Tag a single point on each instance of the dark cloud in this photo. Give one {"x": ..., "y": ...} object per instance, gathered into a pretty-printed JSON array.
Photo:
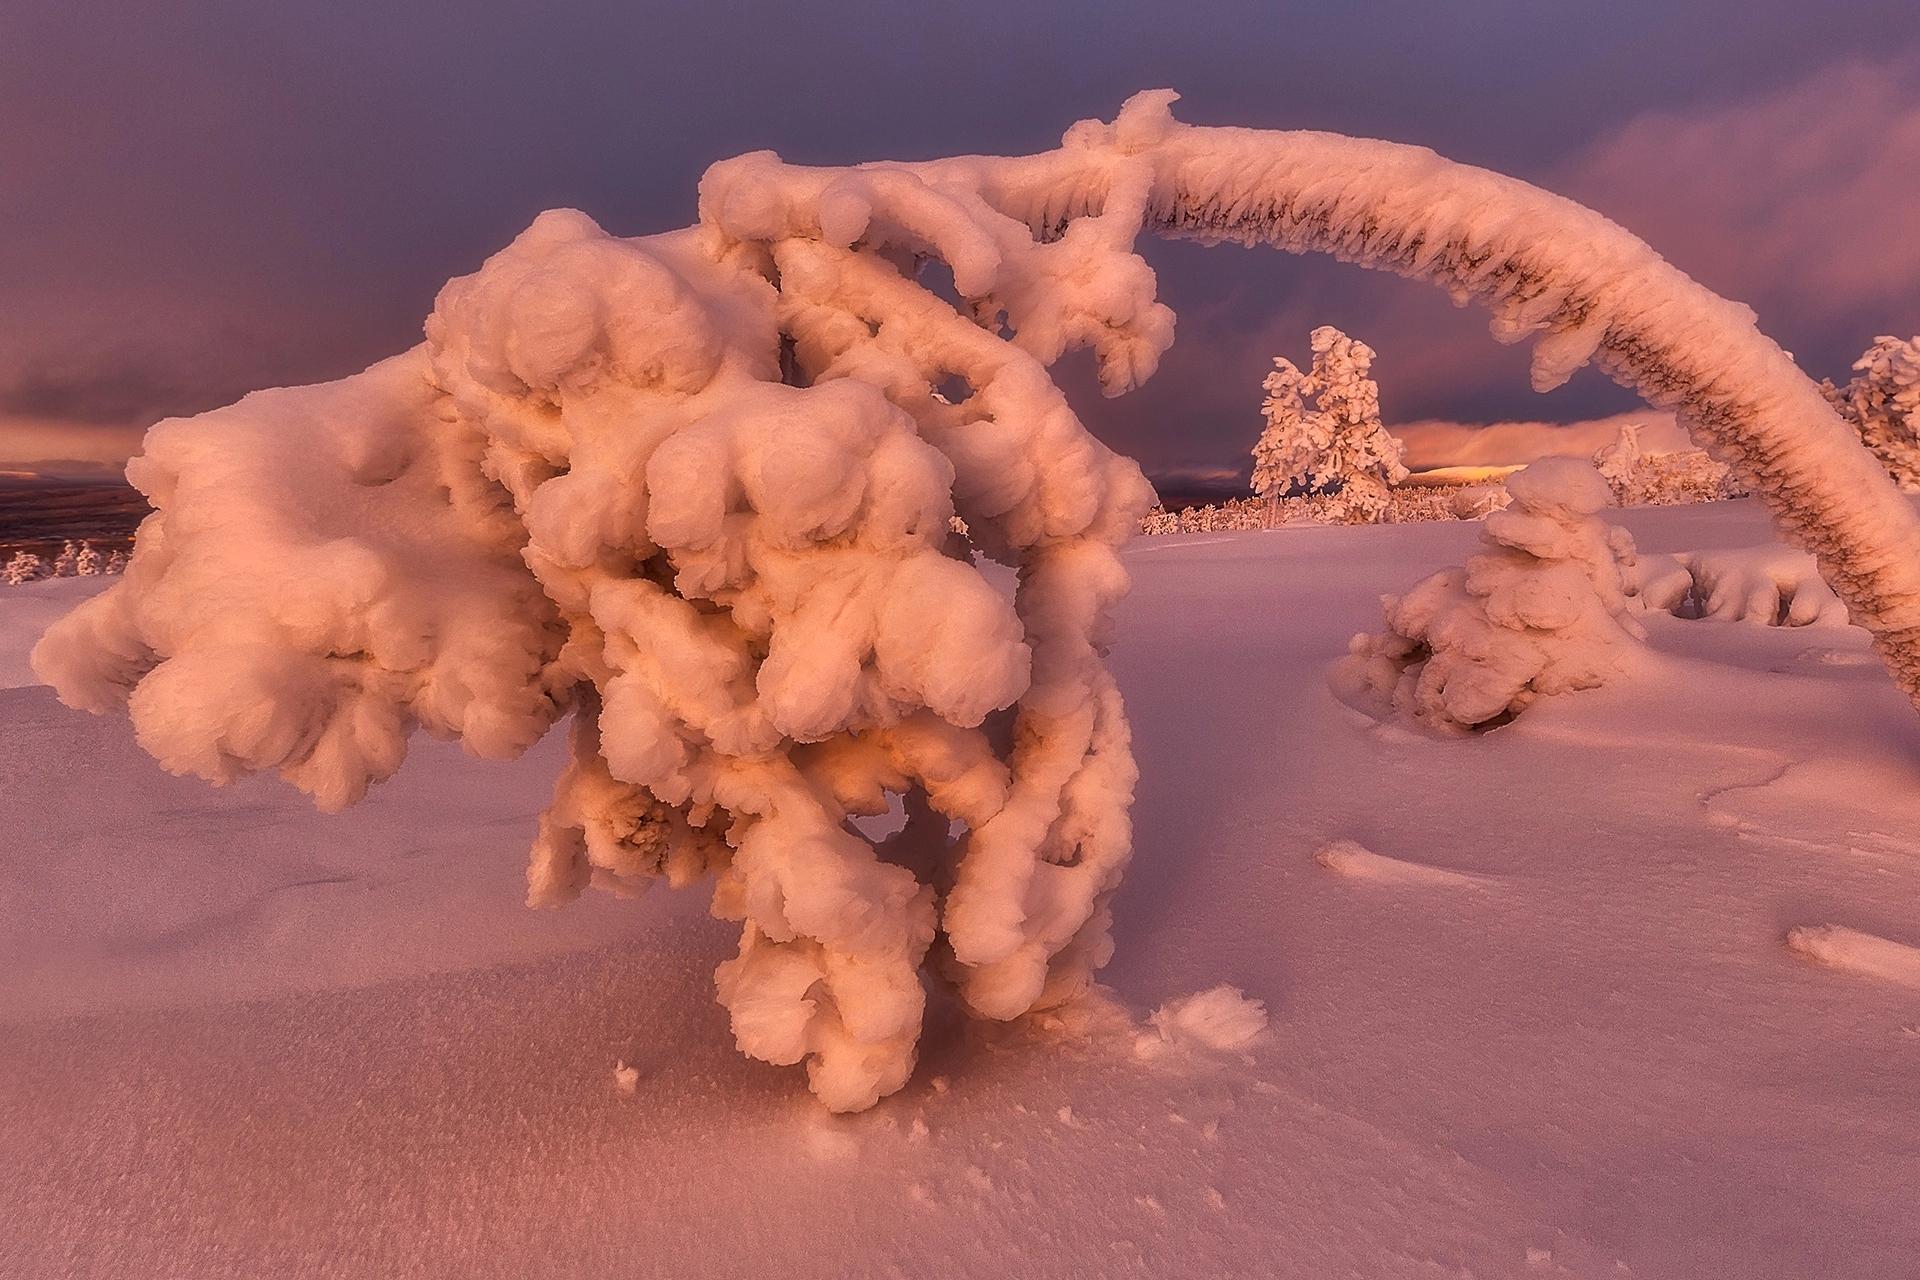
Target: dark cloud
[{"x": 208, "y": 195}]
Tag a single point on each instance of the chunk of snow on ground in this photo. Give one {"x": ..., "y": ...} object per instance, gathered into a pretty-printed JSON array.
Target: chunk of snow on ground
[
  {"x": 625, "y": 1078},
  {"x": 1863, "y": 953},
  {"x": 1348, "y": 858},
  {"x": 1222, "y": 1018}
]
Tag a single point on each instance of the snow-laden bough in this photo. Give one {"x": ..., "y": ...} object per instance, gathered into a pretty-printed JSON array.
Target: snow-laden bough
[{"x": 697, "y": 490}]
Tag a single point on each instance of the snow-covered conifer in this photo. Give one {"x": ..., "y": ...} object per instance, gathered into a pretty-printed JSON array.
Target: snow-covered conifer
[
  {"x": 67, "y": 563},
  {"x": 1619, "y": 464},
  {"x": 1883, "y": 403},
  {"x": 1542, "y": 610},
  {"x": 117, "y": 562},
  {"x": 88, "y": 563},
  {"x": 1334, "y": 444},
  {"x": 22, "y": 567}
]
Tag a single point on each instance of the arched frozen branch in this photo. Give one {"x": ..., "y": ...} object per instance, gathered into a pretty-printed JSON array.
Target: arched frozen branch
[{"x": 696, "y": 490}]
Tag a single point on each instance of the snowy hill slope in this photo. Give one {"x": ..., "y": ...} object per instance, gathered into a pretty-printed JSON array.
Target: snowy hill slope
[{"x": 1544, "y": 1020}]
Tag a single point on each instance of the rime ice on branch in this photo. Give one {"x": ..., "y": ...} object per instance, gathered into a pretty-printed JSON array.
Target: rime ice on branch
[{"x": 695, "y": 489}]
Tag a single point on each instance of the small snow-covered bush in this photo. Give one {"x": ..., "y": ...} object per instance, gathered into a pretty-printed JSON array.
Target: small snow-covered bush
[
  {"x": 1542, "y": 610},
  {"x": 67, "y": 563},
  {"x": 88, "y": 563},
  {"x": 23, "y": 567},
  {"x": 1770, "y": 585}
]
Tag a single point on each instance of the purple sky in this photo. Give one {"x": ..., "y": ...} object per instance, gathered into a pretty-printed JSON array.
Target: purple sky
[{"x": 198, "y": 198}]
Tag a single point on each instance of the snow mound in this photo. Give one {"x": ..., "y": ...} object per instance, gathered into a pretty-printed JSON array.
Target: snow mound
[
  {"x": 1862, "y": 953},
  {"x": 1355, "y": 861},
  {"x": 1767, "y": 585},
  {"x": 1222, "y": 1019}
]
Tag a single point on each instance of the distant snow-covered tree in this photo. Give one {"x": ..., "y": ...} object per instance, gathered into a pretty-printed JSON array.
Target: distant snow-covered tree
[
  {"x": 1542, "y": 610},
  {"x": 88, "y": 563},
  {"x": 1323, "y": 432},
  {"x": 67, "y": 563},
  {"x": 23, "y": 567},
  {"x": 117, "y": 562},
  {"x": 1619, "y": 463},
  {"x": 1883, "y": 403}
]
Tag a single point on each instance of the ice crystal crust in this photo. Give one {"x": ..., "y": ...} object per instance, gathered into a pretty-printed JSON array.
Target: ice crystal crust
[{"x": 696, "y": 490}]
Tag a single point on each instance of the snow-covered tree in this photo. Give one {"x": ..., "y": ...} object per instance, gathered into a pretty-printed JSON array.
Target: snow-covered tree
[
  {"x": 22, "y": 567},
  {"x": 695, "y": 489},
  {"x": 1542, "y": 610},
  {"x": 88, "y": 563},
  {"x": 1619, "y": 464},
  {"x": 1883, "y": 403},
  {"x": 117, "y": 562},
  {"x": 1686, "y": 475},
  {"x": 1323, "y": 431},
  {"x": 66, "y": 564}
]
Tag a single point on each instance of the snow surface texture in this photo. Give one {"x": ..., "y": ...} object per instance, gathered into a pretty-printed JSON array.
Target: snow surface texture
[
  {"x": 696, "y": 489},
  {"x": 1542, "y": 610},
  {"x": 245, "y": 1040}
]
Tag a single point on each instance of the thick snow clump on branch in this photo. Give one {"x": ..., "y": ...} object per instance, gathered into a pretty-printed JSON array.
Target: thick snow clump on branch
[
  {"x": 696, "y": 490},
  {"x": 1542, "y": 610}
]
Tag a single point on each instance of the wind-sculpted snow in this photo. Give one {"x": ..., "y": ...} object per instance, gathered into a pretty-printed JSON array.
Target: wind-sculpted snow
[
  {"x": 697, "y": 490},
  {"x": 1768, "y": 585}
]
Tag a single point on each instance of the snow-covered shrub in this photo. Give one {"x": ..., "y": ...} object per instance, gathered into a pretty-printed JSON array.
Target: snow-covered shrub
[
  {"x": 1542, "y": 610},
  {"x": 1405, "y": 504},
  {"x": 67, "y": 563},
  {"x": 698, "y": 491},
  {"x": 1684, "y": 476},
  {"x": 695, "y": 490},
  {"x": 23, "y": 567},
  {"x": 88, "y": 563},
  {"x": 1883, "y": 403},
  {"x": 1770, "y": 585},
  {"x": 1638, "y": 478},
  {"x": 1334, "y": 445},
  {"x": 1619, "y": 464},
  {"x": 116, "y": 562}
]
